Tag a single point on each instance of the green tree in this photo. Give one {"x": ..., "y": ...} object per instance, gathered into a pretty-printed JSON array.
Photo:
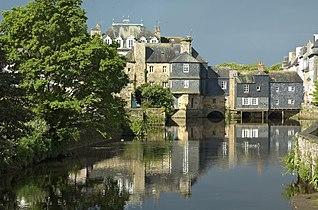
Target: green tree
[
  {"x": 154, "y": 96},
  {"x": 275, "y": 67},
  {"x": 71, "y": 80},
  {"x": 12, "y": 108}
]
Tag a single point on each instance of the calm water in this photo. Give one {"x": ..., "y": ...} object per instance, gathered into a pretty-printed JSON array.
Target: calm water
[{"x": 198, "y": 165}]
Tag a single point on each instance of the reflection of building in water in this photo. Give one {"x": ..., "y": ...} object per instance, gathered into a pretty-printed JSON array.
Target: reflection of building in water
[
  {"x": 147, "y": 169},
  {"x": 259, "y": 142}
]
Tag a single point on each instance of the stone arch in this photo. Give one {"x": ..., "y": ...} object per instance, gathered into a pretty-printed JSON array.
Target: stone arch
[{"x": 215, "y": 116}]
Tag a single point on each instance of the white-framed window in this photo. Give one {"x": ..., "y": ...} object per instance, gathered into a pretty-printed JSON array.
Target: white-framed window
[
  {"x": 250, "y": 133},
  {"x": 291, "y": 101},
  {"x": 151, "y": 83},
  {"x": 277, "y": 102},
  {"x": 150, "y": 69},
  {"x": 164, "y": 69},
  {"x": 186, "y": 67},
  {"x": 164, "y": 84},
  {"x": 254, "y": 101},
  {"x": 224, "y": 85},
  {"x": 277, "y": 89},
  {"x": 154, "y": 40},
  {"x": 245, "y": 101},
  {"x": 258, "y": 88},
  {"x": 143, "y": 39},
  {"x": 119, "y": 40},
  {"x": 108, "y": 40},
  {"x": 186, "y": 83},
  {"x": 246, "y": 88},
  {"x": 291, "y": 88},
  {"x": 130, "y": 43},
  {"x": 250, "y": 101}
]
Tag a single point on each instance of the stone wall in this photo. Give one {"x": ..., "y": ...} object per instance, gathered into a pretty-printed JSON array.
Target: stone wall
[
  {"x": 307, "y": 146},
  {"x": 308, "y": 113}
]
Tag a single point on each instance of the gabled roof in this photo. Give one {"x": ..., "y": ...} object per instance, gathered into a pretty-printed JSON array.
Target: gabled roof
[
  {"x": 285, "y": 77},
  {"x": 184, "y": 58}
]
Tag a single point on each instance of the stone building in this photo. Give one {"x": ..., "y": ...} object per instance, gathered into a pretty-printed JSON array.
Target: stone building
[{"x": 304, "y": 60}]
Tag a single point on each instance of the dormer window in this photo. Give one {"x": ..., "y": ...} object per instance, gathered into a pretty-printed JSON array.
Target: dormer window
[
  {"x": 143, "y": 39},
  {"x": 108, "y": 40},
  {"x": 130, "y": 42},
  {"x": 154, "y": 40},
  {"x": 119, "y": 40}
]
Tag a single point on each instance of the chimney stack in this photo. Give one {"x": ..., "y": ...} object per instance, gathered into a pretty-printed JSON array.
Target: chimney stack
[{"x": 260, "y": 66}]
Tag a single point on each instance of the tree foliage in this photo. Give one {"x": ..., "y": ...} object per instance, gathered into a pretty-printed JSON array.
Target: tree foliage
[
  {"x": 154, "y": 96},
  {"x": 250, "y": 67},
  {"x": 70, "y": 79}
]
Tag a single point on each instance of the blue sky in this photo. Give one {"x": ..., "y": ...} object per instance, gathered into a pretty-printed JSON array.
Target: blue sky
[{"x": 242, "y": 31}]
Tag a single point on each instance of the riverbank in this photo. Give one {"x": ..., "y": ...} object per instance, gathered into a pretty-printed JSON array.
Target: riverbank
[{"x": 305, "y": 202}]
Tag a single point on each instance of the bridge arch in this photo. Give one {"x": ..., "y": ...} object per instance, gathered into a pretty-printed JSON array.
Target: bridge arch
[{"x": 215, "y": 116}]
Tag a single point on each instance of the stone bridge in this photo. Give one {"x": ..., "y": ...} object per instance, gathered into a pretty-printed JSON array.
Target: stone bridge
[{"x": 197, "y": 106}]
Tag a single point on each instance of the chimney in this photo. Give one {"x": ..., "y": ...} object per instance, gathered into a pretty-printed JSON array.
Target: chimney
[
  {"x": 186, "y": 45},
  {"x": 315, "y": 37},
  {"x": 96, "y": 30},
  {"x": 157, "y": 32},
  {"x": 260, "y": 66}
]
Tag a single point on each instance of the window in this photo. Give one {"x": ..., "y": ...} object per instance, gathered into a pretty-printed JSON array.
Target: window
[
  {"x": 291, "y": 89},
  {"x": 291, "y": 101},
  {"x": 254, "y": 101},
  {"x": 154, "y": 40},
  {"x": 258, "y": 88},
  {"x": 249, "y": 133},
  {"x": 246, "y": 88},
  {"x": 250, "y": 101},
  {"x": 245, "y": 101},
  {"x": 214, "y": 101},
  {"x": 150, "y": 69},
  {"x": 277, "y": 102},
  {"x": 170, "y": 84},
  {"x": 129, "y": 70},
  {"x": 130, "y": 43},
  {"x": 143, "y": 39},
  {"x": 277, "y": 89},
  {"x": 108, "y": 40},
  {"x": 224, "y": 85},
  {"x": 186, "y": 83},
  {"x": 185, "y": 68},
  {"x": 164, "y": 69},
  {"x": 151, "y": 83},
  {"x": 119, "y": 40},
  {"x": 164, "y": 84}
]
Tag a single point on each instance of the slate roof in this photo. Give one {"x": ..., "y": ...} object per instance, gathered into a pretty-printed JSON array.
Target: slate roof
[
  {"x": 184, "y": 58},
  {"x": 161, "y": 52},
  {"x": 221, "y": 71},
  {"x": 286, "y": 76},
  {"x": 126, "y": 29}
]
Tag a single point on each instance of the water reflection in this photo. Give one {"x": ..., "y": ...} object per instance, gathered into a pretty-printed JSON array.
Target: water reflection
[{"x": 118, "y": 175}]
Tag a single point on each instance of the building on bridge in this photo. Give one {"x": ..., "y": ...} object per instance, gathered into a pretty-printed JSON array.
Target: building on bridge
[{"x": 265, "y": 93}]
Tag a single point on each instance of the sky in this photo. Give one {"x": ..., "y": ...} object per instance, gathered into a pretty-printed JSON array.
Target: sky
[{"x": 241, "y": 31}]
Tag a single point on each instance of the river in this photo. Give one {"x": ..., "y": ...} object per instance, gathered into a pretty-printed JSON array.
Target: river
[{"x": 193, "y": 165}]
